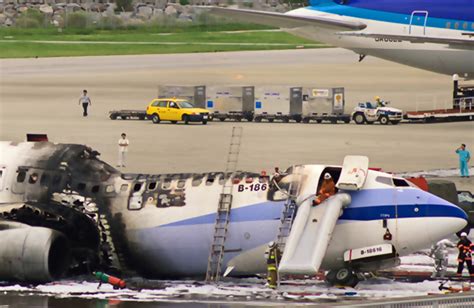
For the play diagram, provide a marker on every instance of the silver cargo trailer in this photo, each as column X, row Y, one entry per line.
column 194, row 94
column 235, row 103
column 278, row 103
column 324, row 104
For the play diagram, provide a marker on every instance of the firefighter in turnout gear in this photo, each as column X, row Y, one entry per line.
column 465, row 254
column 273, row 255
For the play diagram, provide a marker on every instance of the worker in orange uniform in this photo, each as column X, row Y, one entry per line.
column 328, row 189
column 465, row 255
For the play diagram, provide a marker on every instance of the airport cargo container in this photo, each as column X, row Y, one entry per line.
column 194, row 94
column 234, row 103
column 324, row 104
column 278, row 103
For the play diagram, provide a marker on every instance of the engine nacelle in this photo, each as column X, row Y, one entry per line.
column 32, row 253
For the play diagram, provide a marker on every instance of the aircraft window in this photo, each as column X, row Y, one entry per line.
column 464, row 25
column 166, row 184
column 384, row 180
column 472, row 26
column 137, row 187
column 95, row 189
column 456, row 25
column 109, row 188
column 221, row 179
column 448, row 25
column 33, row 178
column 181, row 184
column 152, row 186
column 21, row 176
column 210, row 181
column 124, row 187
column 81, row 186
column 44, row 179
column 400, row 183
column 197, row 182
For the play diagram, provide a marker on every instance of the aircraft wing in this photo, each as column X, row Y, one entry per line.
column 281, row 20
column 467, row 42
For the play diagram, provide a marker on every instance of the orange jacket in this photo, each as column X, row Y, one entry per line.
column 328, row 187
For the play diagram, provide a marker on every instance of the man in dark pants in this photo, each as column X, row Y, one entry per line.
column 273, row 259
column 86, row 101
column 465, row 255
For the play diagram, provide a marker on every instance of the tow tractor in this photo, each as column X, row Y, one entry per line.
column 370, row 113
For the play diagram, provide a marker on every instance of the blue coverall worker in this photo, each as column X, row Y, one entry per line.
column 464, row 158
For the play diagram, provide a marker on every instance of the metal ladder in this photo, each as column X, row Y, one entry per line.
column 289, row 211
column 216, row 255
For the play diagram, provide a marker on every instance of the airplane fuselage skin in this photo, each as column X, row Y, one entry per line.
column 163, row 225
column 438, row 18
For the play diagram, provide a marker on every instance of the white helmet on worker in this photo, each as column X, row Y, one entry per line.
column 463, row 234
column 271, row 244
column 327, row 176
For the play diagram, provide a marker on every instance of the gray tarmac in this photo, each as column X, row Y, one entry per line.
column 41, row 96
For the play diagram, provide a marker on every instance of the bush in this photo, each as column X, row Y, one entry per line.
column 124, row 5
column 184, row 2
column 31, row 18
column 26, row 22
column 110, row 23
column 76, row 20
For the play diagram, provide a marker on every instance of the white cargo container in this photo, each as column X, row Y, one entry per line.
column 278, row 103
column 194, row 94
column 233, row 102
column 324, row 104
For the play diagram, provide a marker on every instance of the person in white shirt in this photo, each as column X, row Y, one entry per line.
column 123, row 149
column 86, row 101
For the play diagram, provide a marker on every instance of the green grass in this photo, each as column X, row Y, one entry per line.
column 23, row 47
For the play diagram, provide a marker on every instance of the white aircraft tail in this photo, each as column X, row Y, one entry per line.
column 310, row 235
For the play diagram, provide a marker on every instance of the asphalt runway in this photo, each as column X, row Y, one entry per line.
column 41, row 96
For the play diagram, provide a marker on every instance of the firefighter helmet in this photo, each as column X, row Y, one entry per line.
column 327, row 176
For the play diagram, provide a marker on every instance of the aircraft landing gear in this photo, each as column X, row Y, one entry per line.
column 344, row 277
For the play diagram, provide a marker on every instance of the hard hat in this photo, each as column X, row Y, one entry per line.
column 327, row 176
column 271, row 244
column 377, row 97
column 463, row 234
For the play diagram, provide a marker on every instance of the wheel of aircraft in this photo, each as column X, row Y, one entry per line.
column 343, row 276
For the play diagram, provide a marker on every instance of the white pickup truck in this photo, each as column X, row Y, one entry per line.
column 370, row 113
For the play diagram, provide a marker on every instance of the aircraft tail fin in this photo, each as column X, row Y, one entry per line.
column 310, row 235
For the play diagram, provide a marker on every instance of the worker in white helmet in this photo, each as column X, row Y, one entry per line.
column 328, row 189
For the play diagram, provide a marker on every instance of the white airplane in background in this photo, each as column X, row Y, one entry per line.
column 435, row 35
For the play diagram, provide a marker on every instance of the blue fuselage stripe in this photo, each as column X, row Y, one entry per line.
column 459, row 16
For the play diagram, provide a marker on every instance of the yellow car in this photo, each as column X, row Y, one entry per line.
column 174, row 110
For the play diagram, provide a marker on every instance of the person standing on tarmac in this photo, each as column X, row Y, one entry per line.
column 465, row 255
column 328, row 189
column 86, row 102
column 123, row 149
column 273, row 259
column 464, row 158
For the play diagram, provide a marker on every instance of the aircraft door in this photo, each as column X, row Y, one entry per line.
column 418, row 20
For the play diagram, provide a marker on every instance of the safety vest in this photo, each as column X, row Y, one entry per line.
column 465, row 248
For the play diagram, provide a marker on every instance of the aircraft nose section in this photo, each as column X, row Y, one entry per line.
column 449, row 220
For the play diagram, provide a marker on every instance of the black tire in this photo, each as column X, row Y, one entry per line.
column 155, row 119
column 258, row 119
column 174, row 122
column 238, row 119
column 333, row 121
column 186, row 119
column 286, row 120
column 331, row 277
column 204, row 122
column 359, row 118
column 222, row 119
column 353, row 281
column 344, row 276
column 142, row 118
column 319, row 121
column 305, row 120
column 113, row 116
column 394, row 122
column 270, row 120
column 384, row 120
column 347, row 121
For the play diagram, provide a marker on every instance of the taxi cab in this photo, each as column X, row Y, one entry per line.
column 174, row 110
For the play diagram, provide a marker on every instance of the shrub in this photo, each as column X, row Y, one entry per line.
column 110, row 22
column 26, row 22
column 124, row 5
column 184, row 2
column 76, row 20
